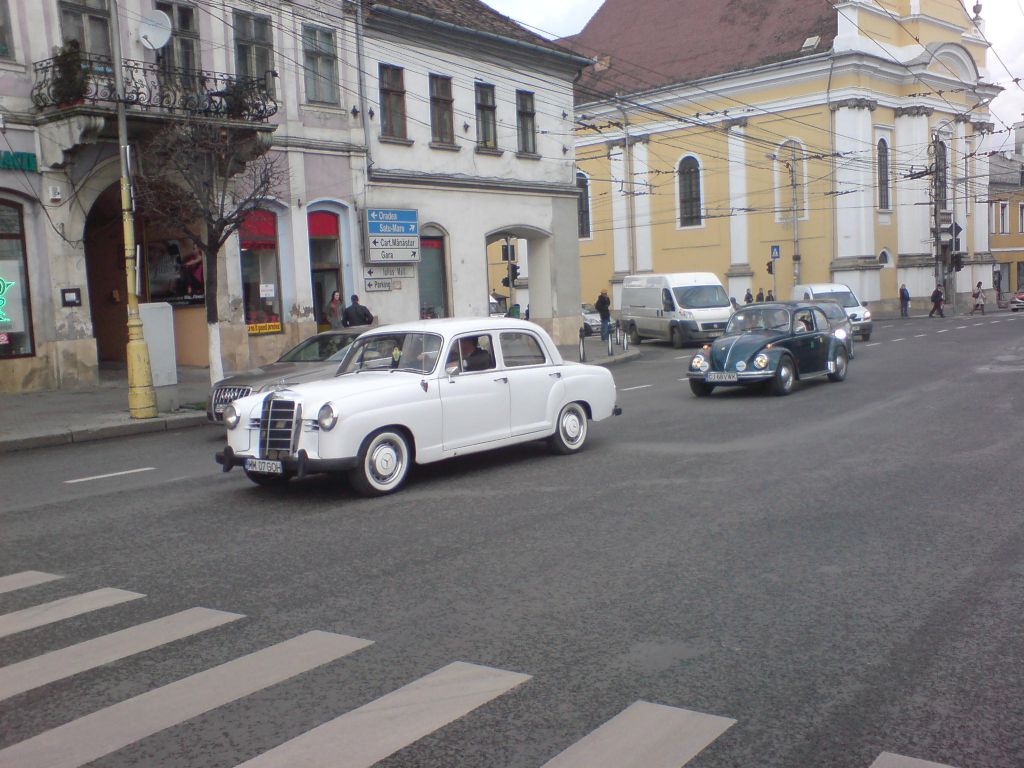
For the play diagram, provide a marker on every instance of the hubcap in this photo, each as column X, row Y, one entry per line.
column 385, row 461
column 786, row 376
column 572, row 427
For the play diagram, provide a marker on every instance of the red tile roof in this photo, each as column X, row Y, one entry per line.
column 643, row 44
column 472, row 14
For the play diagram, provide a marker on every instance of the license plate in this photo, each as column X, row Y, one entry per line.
column 264, row 466
column 719, row 377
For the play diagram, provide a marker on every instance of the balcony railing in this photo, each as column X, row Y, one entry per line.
column 82, row 78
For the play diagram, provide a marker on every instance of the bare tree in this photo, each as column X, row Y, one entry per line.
column 198, row 177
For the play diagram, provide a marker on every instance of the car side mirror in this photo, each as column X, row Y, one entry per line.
column 452, row 370
column 668, row 306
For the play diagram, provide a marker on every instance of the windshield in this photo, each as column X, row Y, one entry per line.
column 759, row 319
column 414, row 352
column 320, row 349
column 846, row 298
column 832, row 310
column 701, row 296
column 589, row 309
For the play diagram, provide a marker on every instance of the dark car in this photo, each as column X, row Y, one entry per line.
column 776, row 344
column 841, row 324
column 318, row 357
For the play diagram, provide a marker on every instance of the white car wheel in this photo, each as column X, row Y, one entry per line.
column 571, row 429
column 383, row 463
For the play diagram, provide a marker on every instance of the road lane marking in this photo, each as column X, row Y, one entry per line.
column 365, row 736
column 25, row 579
column 944, row 330
column 112, row 474
column 91, row 737
column 872, row 344
column 644, row 735
column 977, row 324
column 56, row 665
column 899, row 339
column 684, row 357
column 630, row 389
column 65, row 608
column 960, row 327
column 889, row 760
column 993, row 322
column 920, row 335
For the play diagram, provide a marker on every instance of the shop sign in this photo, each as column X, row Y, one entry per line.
column 5, row 285
column 18, row 161
column 255, row 329
column 266, row 290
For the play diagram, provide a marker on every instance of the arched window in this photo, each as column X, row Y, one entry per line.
column 941, row 174
column 690, row 214
column 883, row 175
column 583, row 206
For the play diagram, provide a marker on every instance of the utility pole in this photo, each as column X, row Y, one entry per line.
column 629, row 189
column 141, row 396
column 791, row 165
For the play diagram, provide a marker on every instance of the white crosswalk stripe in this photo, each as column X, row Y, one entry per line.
column 65, row 608
column 889, row 760
column 645, row 735
column 25, row 579
column 88, row 738
column 367, row 735
column 50, row 667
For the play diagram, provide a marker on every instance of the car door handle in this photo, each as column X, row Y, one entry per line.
column 555, row 375
column 502, row 378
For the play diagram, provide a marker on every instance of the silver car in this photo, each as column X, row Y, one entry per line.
column 318, row 357
column 591, row 320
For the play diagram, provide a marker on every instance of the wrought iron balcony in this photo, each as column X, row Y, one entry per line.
column 82, row 78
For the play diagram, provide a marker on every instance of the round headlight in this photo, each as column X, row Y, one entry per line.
column 761, row 361
column 327, row 417
column 840, row 333
column 697, row 362
column 231, row 417
column 705, row 366
column 867, row 314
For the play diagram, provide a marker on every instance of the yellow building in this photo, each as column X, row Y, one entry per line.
column 1006, row 214
column 840, row 136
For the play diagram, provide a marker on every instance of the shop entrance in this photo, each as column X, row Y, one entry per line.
column 105, row 270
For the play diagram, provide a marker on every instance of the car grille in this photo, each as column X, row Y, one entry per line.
column 278, row 421
column 224, row 395
column 713, row 326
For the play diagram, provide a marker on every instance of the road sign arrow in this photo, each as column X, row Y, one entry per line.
column 375, row 243
column 369, row 272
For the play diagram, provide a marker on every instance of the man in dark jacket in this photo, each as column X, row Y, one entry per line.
column 603, row 305
column 904, row 301
column 356, row 314
column 937, row 301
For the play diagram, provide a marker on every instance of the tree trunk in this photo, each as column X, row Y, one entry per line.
column 216, row 362
column 212, row 314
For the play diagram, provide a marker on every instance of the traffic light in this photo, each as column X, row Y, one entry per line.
column 513, row 270
column 958, row 261
column 771, row 267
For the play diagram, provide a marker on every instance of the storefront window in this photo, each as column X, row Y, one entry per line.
column 432, row 278
column 325, row 264
column 15, row 312
column 261, row 285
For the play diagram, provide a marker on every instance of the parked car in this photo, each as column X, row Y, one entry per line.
column 419, row 392
column 775, row 344
column 318, row 357
column 591, row 320
column 841, row 324
column 856, row 309
column 1016, row 301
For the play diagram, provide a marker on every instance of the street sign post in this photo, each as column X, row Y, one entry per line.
column 776, row 255
column 393, row 234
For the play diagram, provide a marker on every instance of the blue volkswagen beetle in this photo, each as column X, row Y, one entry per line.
column 775, row 344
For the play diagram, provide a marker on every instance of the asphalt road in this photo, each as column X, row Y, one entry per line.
column 840, row 572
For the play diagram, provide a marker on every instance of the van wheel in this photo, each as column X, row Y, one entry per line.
column 676, row 337
column 839, row 365
column 865, row 337
column 634, row 335
column 782, row 384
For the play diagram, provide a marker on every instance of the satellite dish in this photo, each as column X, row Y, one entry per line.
column 155, row 30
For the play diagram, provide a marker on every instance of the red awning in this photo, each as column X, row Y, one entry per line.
column 323, row 224
column 259, row 230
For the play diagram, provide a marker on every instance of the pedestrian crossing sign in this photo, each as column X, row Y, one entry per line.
column 776, row 253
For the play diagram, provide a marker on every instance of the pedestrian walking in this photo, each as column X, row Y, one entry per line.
column 334, row 310
column 979, row 299
column 904, row 301
column 603, row 305
column 937, row 301
column 760, row 296
column 748, row 297
column 356, row 314
column 770, row 296
column 735, row 305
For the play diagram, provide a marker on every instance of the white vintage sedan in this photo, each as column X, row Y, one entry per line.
column 419, row 392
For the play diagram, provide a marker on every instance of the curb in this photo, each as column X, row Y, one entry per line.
column 162, row 423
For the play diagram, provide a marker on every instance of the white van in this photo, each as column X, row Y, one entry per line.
column 856, row 310
column 679, row 307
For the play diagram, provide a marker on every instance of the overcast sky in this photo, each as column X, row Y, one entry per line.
column 1004, row 27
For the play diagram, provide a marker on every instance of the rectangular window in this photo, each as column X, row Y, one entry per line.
column 526, row 122
column 993, row 224
column 183, row 49
column 261, row 284
column 254, row 46
column 486, row 117
column 88, row 22
column 583, row 206
column 392, row 101
column 320, row 59
column 442, row 114
column 15, row 311
column 1020, row 218
column 6, row 38
column 1004, row 218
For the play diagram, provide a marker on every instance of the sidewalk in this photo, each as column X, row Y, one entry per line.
column 37, row 419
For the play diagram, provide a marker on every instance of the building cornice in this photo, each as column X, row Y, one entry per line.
column 476, row 183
